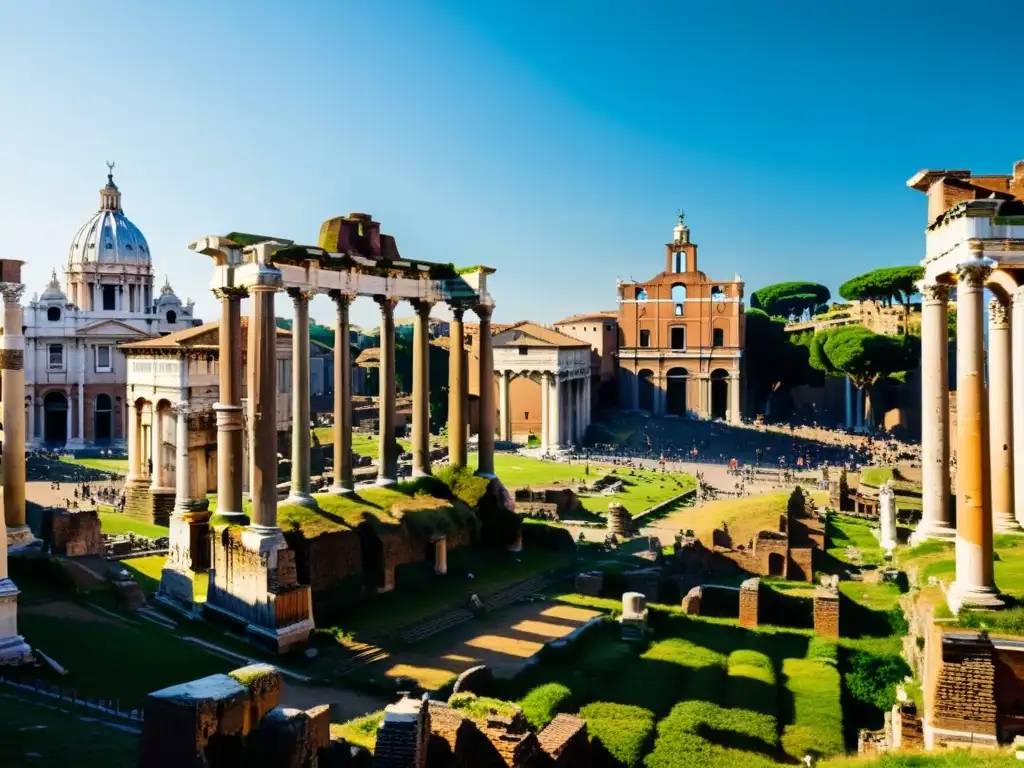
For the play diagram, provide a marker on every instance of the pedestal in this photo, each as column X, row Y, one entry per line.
column 21, row 537
column 13, row 648
column 189, row 552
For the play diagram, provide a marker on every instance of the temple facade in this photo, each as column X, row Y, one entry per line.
column 75, row 373
column 681, row 337
column 974, row 242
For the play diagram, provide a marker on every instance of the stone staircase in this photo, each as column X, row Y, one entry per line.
column 367, row 654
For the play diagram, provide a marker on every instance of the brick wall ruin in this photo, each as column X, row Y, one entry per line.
column 962, row 706
column 826, row 612
column 750, row 592
column 75, row 534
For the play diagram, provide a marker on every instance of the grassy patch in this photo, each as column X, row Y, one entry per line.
column 119, row 466
column 623, row 730
column 745, row 517
column 362, row 731
column 119, row 523
column 817, row 724
column 364, row 445
column 934, row 559
column 544, row 702
column 845, row 532
column 480, row 707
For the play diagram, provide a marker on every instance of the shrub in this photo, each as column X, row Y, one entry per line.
column 544, row 702
column 362, row 731
column 737, row 738
column 481, row 706
column 872, row 678
column 625, row 731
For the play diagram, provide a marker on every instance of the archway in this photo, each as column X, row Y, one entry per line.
column 646, row 385
column 719, row 393
column 675, row 398
column 103, row 419
column 55, row 418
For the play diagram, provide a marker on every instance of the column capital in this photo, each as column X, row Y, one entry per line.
column 182, row 409
column 387, row 304
column 484, row 311
column 422, row 306
column 999, row 312
column 12, row 292
column 227, row 293
column 341, row 298
column 297, row 295
column 933, row 292
column 974, row 272
column 457, row 312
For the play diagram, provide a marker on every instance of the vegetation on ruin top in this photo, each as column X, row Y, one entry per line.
column 938, row 560
column 118, row 523
column 362, row 731
column 481, row 707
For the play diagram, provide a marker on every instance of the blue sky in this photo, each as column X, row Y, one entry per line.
column 551, row 140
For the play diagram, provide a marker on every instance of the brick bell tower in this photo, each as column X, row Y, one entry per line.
column 680, row 254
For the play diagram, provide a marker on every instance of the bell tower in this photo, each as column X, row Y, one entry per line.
column 680, row 254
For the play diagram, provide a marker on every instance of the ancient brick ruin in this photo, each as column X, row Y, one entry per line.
column 826, row 612
column 750, row 595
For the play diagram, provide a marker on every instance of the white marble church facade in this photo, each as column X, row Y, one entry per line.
column 75, row 374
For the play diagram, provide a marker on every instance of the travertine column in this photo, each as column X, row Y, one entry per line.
column 342, row 396
column 887, row 516
column 735, row 417
column 485, row 467
column 134, row 449
column 1000, row 417
column 13, row 648
column 159, row 482
column 578, row 405
column 387, row 464
column 300, row 492
column 936, row 515
column 441, row 556
column 456, row 391
column 262, row 373
column 975, row 582
column 182, row 485
column 588, row 405
column 230, row 452
column 421, row 390
column 12, row 392
column 545, row 412
column 505, row 424
column 556, row 413
column 848, row 390
column 1017, row 364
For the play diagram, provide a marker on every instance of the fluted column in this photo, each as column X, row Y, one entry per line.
column 421, row 390
column 1000, row 416
column 556, row 413
column 545, row 411
column 182, row 481
column 387, row 464
column 300, row 492
column 505, row 423
column 262, row 395
column 975, row 581
column 485, row 467
column 230, row 451
column 1017, row 364
column 456, row 390
column 342, row 397
column 158, row 482
column 12, row 392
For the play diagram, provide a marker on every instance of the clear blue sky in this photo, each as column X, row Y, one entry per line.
column 551, row 140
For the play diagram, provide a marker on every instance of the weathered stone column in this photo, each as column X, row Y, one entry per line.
column 421, row 390
column 588, row 405
column 456, row 391
column 545, row 411
column 556, row 413
column 182, row 485
column 505, row 423
column 577, row 403
column 13, row 648
column 936, row 517
column 134, row 445
column 12, row 392
column 159, row 482
column 387, row 464
column 342, row 396
column 1017, row 364
column 887, row 516
column 230, row 451
column 975, row 582
column 1000, row 416
column 300, row 492
column 485, row 467
column 735, row 416
column 262, row 391
column 441, row 555
column 848, row 390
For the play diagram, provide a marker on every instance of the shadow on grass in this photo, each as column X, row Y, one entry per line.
column 857, row 621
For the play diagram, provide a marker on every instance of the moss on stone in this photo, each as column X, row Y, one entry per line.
column 254, row 675
column 482, row 707
column 228, row 521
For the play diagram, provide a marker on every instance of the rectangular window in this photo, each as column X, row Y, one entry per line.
column 645, row 338
column 103, row 359
column 678, row 337
column 526, row 415
column 56, row 361
column 524, row 351
column 109, row 297
column 718, row 337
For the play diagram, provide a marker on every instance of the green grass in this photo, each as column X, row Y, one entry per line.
column 544, row 702
column 146, row 570
column 817, row 727
column 55, row 734
column 623, row 730
column 120, row 466
column 119, row 523
column 843, row 532
column 954, row 758
column 480, row 707
column 939, row 560
column 642, row 490
column 364, row 445
column 362, row 731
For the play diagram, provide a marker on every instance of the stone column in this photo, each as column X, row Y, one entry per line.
column 13, row 648
column 485, row 465
column 387, row 464
column 262, row 372
column 421, row 390
column 82, row 352
column 134, row 446
column 182, row 487
column 545, row 412
column 975, row 582
column 578, row 407
column 505, row 424
column 456, row 391
column 441, row 556
column 156, row 450
column 936, row 515
column 230, row 451
column 848, row 390
column 69, row 415
column 588, row 405
column 12, row 393
column 735, row 416
column 887, row 516
column 300, row 492
column 1000, row 416
column 1017, row 363
column 556, row 414
column 342, row 397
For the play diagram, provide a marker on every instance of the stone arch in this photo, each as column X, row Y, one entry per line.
column 103, row 418
column 1002, row 284
column 719, row 393
column 676, row 381
column 645, row 384
column 55, row 418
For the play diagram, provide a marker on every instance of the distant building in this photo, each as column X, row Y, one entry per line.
column 75, row 374
column 601, row 331
column 681, row 337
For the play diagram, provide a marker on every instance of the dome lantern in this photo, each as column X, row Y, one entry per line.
column 109, row 237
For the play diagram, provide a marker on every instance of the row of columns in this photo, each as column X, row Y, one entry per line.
column 988, row 418
column 565, row 409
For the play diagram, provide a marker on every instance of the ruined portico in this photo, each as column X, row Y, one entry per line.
column 252, row 577
column 974, row 242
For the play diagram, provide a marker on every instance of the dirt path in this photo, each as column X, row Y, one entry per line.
column 345, row 704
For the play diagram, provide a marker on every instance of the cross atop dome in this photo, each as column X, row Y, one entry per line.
column 681, row 233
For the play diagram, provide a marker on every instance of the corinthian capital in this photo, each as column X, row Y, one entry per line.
column 933, row 291
column 975, row 272
column 999, row 312
column 12, row 292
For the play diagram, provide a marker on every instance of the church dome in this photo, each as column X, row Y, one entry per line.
column 53, row 291
column 109, row 237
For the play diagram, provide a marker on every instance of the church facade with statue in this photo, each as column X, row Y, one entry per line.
column 75, row 373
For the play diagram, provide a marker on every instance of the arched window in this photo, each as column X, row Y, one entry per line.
column 53, row 314
column 678, row 299
column 641, row 294
column 717, row 337
column 172, row 316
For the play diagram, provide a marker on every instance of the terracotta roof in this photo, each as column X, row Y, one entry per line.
column 205, row 336
column 542, row 337
column 599, row 316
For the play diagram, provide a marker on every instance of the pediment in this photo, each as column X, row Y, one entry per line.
column 518, row 336
column 112, row 328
